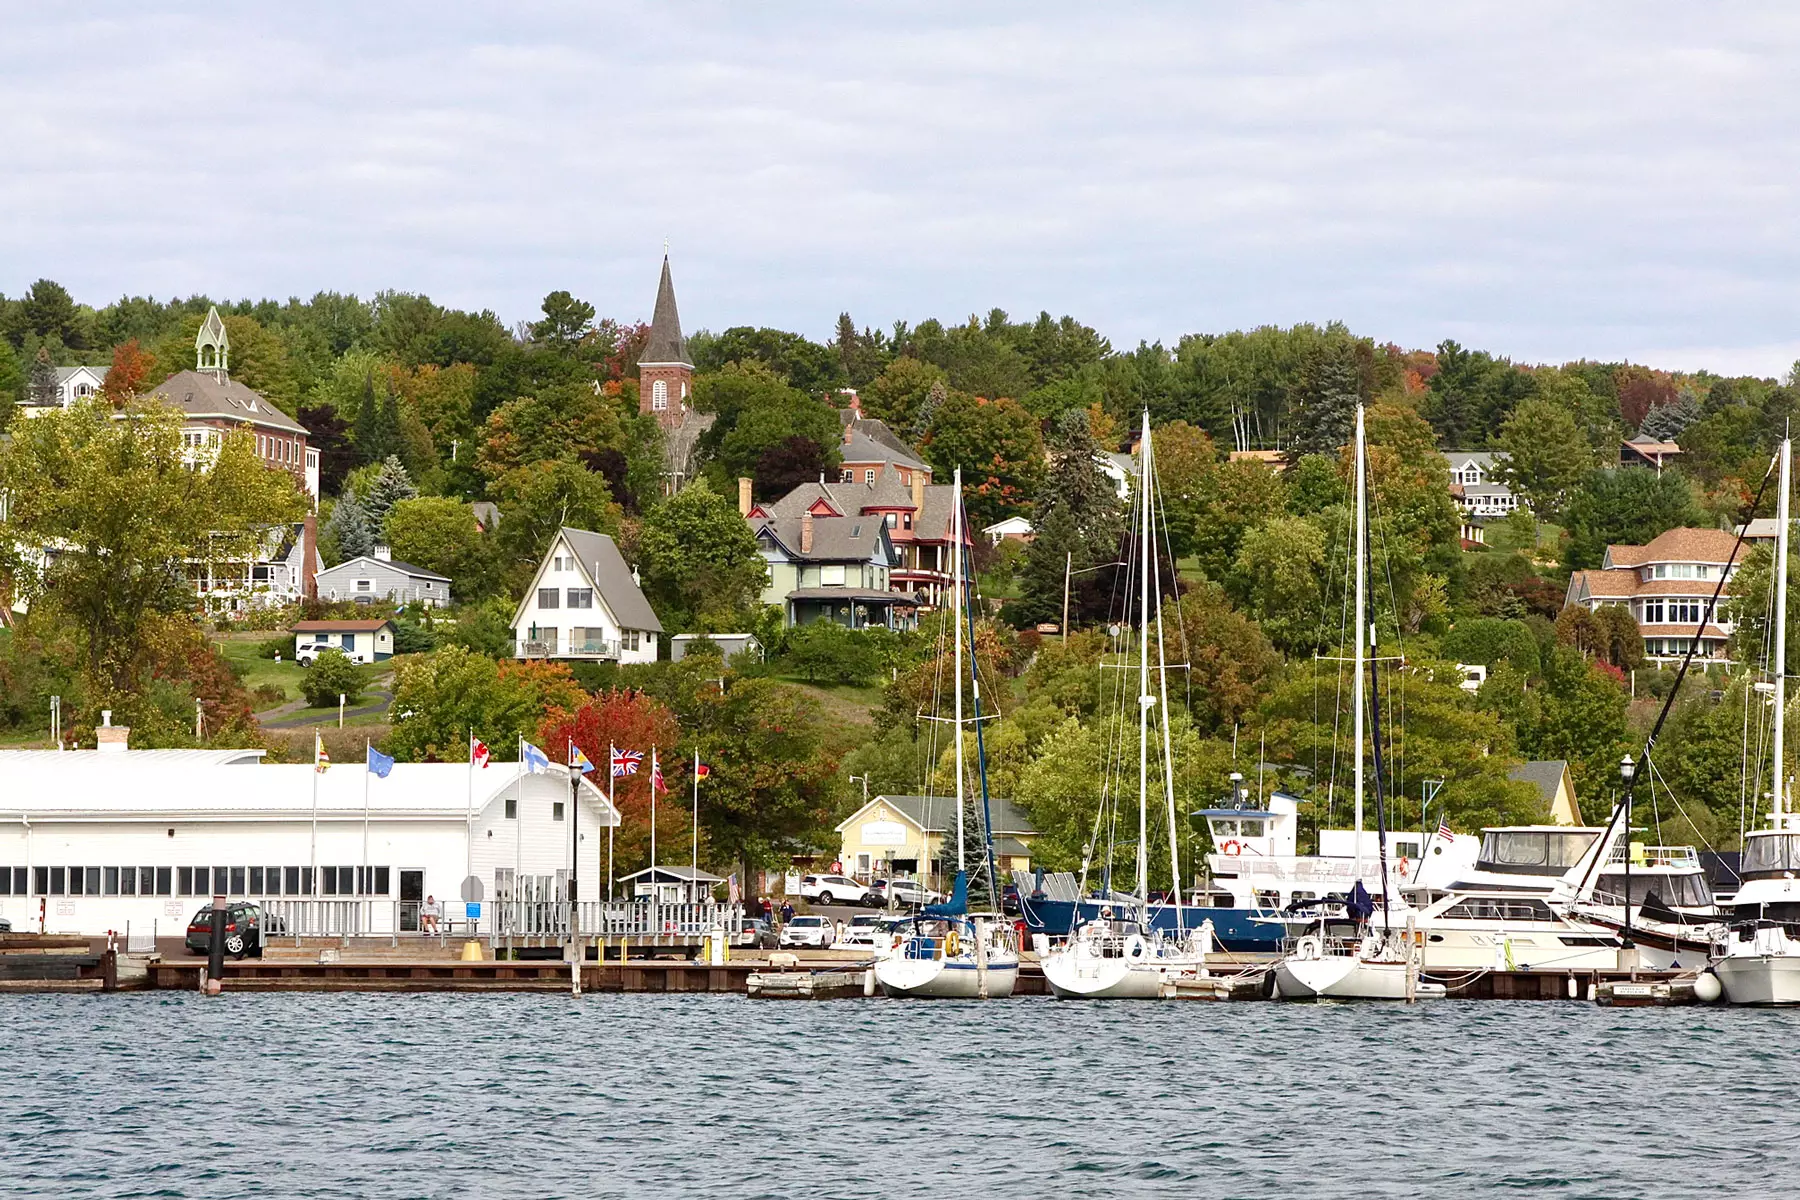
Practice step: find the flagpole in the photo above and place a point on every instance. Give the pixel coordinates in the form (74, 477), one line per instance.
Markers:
(518, 828)
(655, 770)
(469, 820)
(574, 840)
(367, 771)
(612, 791)
(694, 880)
(312, 885)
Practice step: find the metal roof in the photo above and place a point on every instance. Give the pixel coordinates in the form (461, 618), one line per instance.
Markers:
(605, 566)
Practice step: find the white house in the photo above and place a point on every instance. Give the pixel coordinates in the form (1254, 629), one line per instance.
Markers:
(584, 603)
(1016, 529)
(380, 576)
(1475, 484)
(361, 641)
(100, 840)
(72, 384)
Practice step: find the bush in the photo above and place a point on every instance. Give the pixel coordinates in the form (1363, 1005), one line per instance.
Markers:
(412, 636)
(269, 695)
(827, 650)
(332, 674)
(277, 647)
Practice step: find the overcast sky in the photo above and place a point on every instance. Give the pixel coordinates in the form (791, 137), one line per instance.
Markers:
(1547, 181)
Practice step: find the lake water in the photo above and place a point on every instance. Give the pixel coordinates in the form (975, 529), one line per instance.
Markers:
(162, 1094)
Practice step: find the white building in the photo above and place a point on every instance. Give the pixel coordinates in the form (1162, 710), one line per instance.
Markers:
(72, 384)
(1476, 487)
(369, 641)
(99, 840)
(583, 603)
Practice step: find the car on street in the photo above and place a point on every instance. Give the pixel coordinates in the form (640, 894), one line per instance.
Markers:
(907, 893)
(754, 931)
(808, 930)
(870, 931)
(245, 925)
(835, 889)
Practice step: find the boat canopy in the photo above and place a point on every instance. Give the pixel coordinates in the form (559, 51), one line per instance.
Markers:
(958, 903)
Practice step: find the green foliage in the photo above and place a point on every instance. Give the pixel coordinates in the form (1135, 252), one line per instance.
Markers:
(898, 394)
(1626, 506)
(566, 321)
(1546, 457)
(1277, 578)
(440, 697)
(698, 562)
(390, 486)
(440, 535)
(331, 675)
(803, 364)
(759, 414)
(999, 448)
(829, 652)
(484, 628)
(542, 497)
(1490, 641)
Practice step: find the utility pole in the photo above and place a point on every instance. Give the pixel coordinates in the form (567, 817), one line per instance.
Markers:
(1068, 572)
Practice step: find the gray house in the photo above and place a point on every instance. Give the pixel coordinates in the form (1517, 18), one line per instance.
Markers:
(380, 576)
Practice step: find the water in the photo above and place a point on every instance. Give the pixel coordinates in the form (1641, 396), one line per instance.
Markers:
(165, 1094)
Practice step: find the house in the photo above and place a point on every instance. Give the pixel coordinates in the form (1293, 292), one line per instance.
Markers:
(672, 884)
(665, 388)
(583, 578)
(1476, 487)
(1119, 466)
(730, 645)
(915, 836)
(361, 641)
(114, 838)
(827, 560)
(1646, 451)
(1667, 586)
(279, 570)
(871, 451)
(1012, 529)
(72, 384)
(212, 403)
(1555, 787)
(380, 576)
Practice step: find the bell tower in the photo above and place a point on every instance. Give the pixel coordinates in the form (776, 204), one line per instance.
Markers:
(665, 375)
(212, 347)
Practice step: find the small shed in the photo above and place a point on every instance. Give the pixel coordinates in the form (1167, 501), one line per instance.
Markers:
(730, 645)
(361, 641)
(672, 885)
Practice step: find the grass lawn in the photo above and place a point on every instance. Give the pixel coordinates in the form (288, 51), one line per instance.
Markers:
(1501, 539)
(843, 703)
(256, 672)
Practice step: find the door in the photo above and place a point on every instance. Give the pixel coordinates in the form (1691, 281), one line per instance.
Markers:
(412, 896)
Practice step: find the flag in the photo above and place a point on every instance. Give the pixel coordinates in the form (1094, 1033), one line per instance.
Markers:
(578, 760)
(656, 779)
(701, 770)
(379, 763)
(478, 752)
(1444, 830)
(321, 760)
(733, 890)
(626, 762)
(535, 760)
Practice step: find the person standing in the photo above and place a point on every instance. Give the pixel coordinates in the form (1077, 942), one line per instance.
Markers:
(787, 911)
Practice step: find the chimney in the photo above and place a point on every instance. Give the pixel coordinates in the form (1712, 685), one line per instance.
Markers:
(110, 738)
(383, 553)
(743, 495)
(309, 557)
(918, 490)
(806, 520)
(855, 402)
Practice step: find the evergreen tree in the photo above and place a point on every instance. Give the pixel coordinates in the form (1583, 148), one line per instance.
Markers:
(389, 424)
(1666, 421)
(1323, 402)
(41, 388)
(349, 526)
(391, 486)
(367, 433)
(934, 399)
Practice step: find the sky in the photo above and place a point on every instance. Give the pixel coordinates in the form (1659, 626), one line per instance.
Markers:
(1543, 181)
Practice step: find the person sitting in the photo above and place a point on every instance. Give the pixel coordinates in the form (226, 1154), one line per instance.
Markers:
(428, 915)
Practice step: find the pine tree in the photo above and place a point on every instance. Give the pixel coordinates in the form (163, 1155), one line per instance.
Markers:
(1323, 403)
(389, 424)
(928, 410)
(349, 525)
(391, 486)
(367, 434)
(1666, 421)
(41, 388)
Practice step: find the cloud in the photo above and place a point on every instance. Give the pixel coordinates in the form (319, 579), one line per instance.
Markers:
(1544, 181)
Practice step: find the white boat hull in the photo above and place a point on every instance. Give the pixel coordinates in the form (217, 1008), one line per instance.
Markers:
(946, 978)
(1342, 977)
(1084, 977)
(1760, 978)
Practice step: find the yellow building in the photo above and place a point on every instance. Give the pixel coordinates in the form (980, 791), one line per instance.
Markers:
(1555, 786)
(915, 837)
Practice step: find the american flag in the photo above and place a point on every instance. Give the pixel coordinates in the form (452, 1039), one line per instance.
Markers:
(1444, 830)
(626, 762)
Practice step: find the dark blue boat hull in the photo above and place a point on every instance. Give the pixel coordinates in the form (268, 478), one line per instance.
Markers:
(1234, 929)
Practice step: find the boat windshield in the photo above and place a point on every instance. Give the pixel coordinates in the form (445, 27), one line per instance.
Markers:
(1766, 853)
(1533, 851)
(1677, 891)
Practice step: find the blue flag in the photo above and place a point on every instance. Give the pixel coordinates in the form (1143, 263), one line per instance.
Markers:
(536, 761)
(579, 761)
(379, 763)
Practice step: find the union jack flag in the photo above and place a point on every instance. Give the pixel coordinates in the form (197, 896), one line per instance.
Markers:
(626, 762)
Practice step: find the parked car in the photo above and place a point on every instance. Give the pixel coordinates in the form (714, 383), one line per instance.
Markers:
(1009, 900)
(807, 931)
(835, 889)
(907, 893)
(861, 931)
(245, 925)
(5, 925)
(754, 931)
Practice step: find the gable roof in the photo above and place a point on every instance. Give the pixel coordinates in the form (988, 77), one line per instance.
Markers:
(1676, 545)
(605, 568)
(64, 374)
(368, 626)
(665, 344)
(405, 568)
(200, 395)
(870, 440)
(1547, 776)
(937, 814)
(850, 538)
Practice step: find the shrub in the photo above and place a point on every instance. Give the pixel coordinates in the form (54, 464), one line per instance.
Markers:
(332, 674)
(277, 647)
(269, 695)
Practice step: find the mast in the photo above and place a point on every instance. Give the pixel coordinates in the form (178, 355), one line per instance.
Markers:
(956, 593)
(1780, 654)
(1145, 700)
(1357, 697)
(1162, 689)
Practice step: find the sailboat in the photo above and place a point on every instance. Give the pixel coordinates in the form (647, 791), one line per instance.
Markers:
(1121, 955)
(1347, 958)
(947, 952)
(1759, 961)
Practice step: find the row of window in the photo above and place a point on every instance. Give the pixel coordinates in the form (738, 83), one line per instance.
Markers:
(581, 597)
(1680, 571)
(1659, 611)
(194, 881)
(282, 450)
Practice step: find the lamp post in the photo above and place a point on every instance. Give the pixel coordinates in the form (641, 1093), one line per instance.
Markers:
(1627, 770)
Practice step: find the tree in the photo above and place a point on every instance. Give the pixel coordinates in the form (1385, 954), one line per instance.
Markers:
(49, 312)
(1230, 659)
(1625, 507)
(131, 366)
(859, 355)
(348, 527)
(560, 420)
(329, 434)
(117, 496)
(998, 445)
(1242, 496)
(829, 651)
(898, 394)
(1324, 399)
(1667, 420)
(41, 387)
(1079, 526)
(376, 439)
(626, 720)
(1542, 455)
(391, 485)
(786, 465)
(566, 322)
(1278, 579)
(1748, 605)
(331, 675)
(542, 497)
(1186, 464)
(698, 561)
(441, 697)
(440, 534)
(798, 361)
(759, 411)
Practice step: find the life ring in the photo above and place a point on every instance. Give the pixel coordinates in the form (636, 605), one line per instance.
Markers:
(1106, 913)
(1307, 948)
(1231, 848)
(1403, 866)
(952, 944)
(1134, 947)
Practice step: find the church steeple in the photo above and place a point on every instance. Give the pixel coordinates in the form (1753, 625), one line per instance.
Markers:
(665, 374)
(212, 346)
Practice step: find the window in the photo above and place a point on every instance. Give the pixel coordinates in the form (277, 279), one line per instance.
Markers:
(365, 585)
(165, 881)
(906, 520)
(831, 575)
(512, 808)
(256, 881)
(291, 881)
(659, 396)
(237, 881)
(848, 475)
(110, 881)
(547, 597)
(75, 880)
(128, 882)
(556, 810)
(581, 597)
(891, 520)
(869, 475)
(628, 639)
(562, 562)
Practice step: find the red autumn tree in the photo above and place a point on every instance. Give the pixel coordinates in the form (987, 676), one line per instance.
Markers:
(628, 720)
(131, 365)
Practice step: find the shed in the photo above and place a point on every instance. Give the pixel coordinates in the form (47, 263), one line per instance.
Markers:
(730, 645)
(672, 884)
(361, 641)
(1555, 787)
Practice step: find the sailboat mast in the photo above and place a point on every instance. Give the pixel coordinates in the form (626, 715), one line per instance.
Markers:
(1780, 654)
(1358, 699)
(1162, 691)
(1145, 700)
(956, 595)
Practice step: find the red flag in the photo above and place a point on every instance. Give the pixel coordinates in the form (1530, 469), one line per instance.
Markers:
(656, 775)
(701, 770)
(478, 752)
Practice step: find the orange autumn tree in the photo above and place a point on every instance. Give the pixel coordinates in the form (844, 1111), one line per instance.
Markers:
(131, 365)
(629, 720)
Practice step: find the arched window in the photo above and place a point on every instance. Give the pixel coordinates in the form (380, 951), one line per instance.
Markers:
(659, 395)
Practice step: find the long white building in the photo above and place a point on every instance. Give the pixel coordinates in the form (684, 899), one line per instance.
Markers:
(102, 840)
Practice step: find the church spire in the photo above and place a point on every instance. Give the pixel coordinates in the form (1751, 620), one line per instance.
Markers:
(212, 346)
(666, 345)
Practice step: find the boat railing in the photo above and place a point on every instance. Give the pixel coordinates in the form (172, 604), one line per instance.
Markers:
(1640, 855)
(1298, 869)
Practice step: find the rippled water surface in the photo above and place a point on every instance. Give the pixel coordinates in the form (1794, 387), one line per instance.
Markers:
(607, 1095)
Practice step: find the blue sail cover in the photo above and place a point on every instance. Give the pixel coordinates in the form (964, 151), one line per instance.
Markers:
(1358, 905)
(958, 903)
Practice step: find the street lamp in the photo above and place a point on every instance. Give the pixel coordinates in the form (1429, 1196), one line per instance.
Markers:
(1627, 772)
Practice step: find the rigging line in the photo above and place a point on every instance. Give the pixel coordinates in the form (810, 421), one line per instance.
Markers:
(1387, 566)
(1687, 661)
(1656, 774)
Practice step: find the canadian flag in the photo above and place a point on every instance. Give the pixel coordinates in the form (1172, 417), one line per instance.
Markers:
(478, 752)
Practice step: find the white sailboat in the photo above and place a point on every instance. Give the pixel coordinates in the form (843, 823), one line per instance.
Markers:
(1340, 959)
(1124, 959)
(1759, 960)
(948, 952)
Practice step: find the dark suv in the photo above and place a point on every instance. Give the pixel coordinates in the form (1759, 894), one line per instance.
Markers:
(245, 925)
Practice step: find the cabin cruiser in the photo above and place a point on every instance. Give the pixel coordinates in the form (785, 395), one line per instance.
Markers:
(1758, 957)
(1674, 919)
